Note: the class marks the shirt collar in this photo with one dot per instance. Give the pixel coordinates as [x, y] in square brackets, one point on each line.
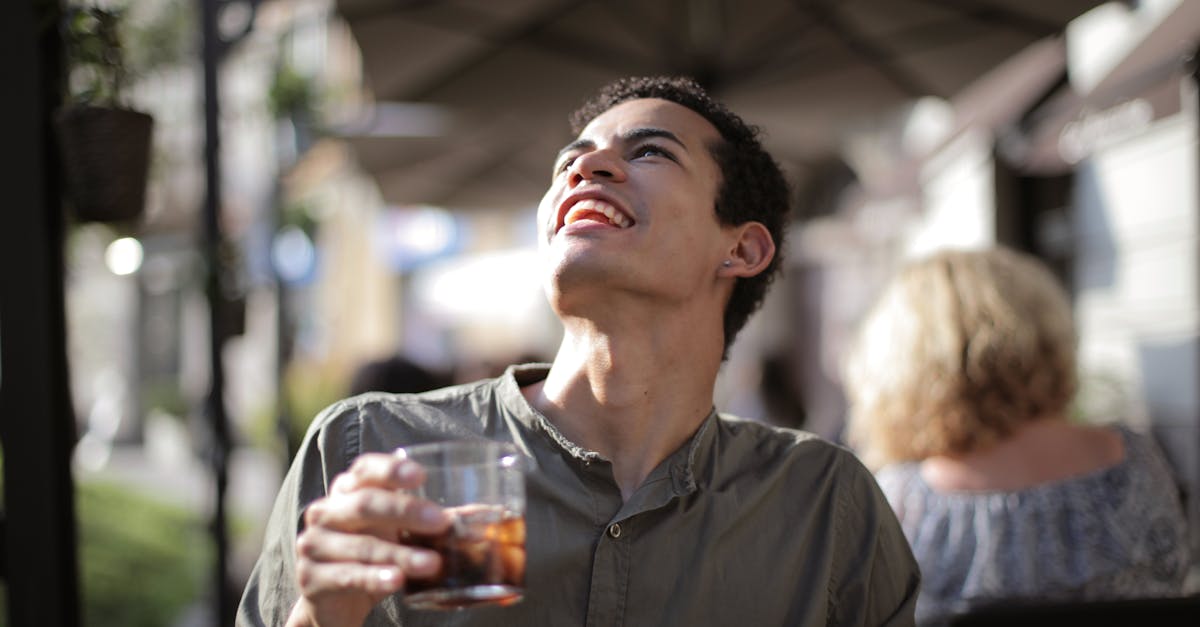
[681, 467]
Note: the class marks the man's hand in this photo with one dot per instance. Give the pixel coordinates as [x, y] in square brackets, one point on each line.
[348, 557]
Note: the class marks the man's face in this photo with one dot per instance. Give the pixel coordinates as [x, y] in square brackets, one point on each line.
[631, 204]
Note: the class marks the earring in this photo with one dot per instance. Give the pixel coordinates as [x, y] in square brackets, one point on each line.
[727, 264]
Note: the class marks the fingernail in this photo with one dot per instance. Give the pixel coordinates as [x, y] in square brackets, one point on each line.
[432, 515]
[420, 561]
[389, 576]
[406, 471]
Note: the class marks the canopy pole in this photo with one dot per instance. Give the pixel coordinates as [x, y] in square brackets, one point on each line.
[215, 405]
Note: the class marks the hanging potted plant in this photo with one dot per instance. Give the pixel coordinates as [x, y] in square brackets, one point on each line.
[105, 145]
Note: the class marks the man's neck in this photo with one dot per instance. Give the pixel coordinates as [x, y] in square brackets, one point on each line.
[634, 397]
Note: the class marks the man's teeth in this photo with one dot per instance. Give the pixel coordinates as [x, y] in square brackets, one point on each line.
[598, 206]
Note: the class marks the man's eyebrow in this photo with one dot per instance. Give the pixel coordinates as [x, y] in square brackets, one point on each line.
[644, 132]
[575, 145]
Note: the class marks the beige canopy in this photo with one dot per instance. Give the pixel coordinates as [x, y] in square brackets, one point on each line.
[472, 95]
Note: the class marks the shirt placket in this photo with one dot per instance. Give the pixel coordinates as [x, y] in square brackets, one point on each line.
[612, 559]
[610, 577]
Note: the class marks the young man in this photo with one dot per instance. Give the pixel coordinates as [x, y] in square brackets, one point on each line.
[659, 235]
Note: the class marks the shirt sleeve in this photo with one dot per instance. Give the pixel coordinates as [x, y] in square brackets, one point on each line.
[328, 447]
[877, 580]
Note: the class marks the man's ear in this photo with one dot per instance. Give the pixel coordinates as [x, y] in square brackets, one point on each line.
[752, 251]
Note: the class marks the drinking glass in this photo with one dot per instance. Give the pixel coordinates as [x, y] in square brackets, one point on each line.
[481, 483]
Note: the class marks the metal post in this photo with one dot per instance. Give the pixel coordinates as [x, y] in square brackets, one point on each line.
[37, 424]
[212, 49]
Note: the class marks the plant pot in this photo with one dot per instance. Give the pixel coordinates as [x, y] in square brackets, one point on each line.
[106, 160]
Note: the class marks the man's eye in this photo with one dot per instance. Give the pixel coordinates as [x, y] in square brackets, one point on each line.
[566, 163]
[651, 150]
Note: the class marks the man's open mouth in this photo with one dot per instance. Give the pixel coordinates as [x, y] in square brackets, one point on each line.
[596, 210]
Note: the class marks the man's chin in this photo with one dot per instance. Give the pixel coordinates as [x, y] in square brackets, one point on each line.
[581, 274]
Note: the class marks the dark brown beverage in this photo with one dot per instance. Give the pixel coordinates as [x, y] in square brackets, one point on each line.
[483, 561]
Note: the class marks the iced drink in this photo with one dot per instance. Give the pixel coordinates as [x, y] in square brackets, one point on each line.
[483, 561]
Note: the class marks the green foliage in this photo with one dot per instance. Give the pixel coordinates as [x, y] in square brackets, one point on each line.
[141, 561]
[165, 395]
[95, 56]
[107, 47]
[292, 94]
[300, 215]
[165, 37]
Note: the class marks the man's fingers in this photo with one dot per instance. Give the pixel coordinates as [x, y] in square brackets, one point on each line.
[383, 512]
[341, 562]
[329, 546]
[320, 578]
[379, 470]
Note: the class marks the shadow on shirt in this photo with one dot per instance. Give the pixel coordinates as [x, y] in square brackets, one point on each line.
[1156, 612]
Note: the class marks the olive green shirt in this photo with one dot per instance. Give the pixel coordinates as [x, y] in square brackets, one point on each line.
[745, 524]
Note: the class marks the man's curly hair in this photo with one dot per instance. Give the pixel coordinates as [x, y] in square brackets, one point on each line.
[752, 186]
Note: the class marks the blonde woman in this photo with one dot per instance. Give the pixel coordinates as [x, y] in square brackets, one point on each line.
[960, 386]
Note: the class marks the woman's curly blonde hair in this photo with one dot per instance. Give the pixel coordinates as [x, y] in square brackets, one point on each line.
[961, 348]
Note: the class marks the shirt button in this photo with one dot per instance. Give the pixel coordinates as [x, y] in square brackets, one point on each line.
[614, 530]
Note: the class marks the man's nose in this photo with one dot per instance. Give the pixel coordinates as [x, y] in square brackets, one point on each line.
[597, 164]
